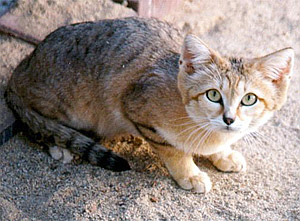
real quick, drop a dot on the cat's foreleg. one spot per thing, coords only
(228, 160)
(183, 169)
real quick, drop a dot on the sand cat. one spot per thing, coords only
(140, 76)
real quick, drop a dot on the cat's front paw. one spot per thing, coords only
(198, 183)
(232, 162)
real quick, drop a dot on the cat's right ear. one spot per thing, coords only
(194, 53)
(277, 66)
(277, 69)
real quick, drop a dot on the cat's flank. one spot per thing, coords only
(140, 76)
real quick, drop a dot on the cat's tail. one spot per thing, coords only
(63, 136)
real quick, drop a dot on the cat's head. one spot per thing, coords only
(232, 94)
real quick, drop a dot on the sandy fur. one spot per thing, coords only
(149, 81)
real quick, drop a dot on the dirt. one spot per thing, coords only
(35, 187)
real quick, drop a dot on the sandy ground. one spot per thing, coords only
(35, 187)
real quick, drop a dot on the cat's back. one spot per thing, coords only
(90, 51)
(96, 46)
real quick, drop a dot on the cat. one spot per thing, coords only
(142, 77)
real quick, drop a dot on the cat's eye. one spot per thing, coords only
(214, 95)
(249, 99)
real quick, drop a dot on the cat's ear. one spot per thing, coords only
(277, 66)
(195, 53)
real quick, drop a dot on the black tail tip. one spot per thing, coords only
(112, 161)
(119, 165)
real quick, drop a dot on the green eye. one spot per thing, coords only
(213, 95)
(249, 99)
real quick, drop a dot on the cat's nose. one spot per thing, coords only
(228, 120)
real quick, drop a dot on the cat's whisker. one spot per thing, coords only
(190, 121)
(253, 142)
(179, 125)
(203, 138)
(259, 135)
(197, 126)
(262, 137)
(187, 145)
(215, 123)
(256, 139)
(197, 136)
(247, 139)
(195, 119)
(187, 129)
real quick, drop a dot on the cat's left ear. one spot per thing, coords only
(277, 66)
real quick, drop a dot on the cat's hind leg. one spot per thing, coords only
(62, 154)
(55, 152)
(54, 132)
(228, 160)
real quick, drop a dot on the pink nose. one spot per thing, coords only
(228, 120)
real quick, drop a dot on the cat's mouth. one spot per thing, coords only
(230, 129)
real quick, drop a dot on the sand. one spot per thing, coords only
(35, 187)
